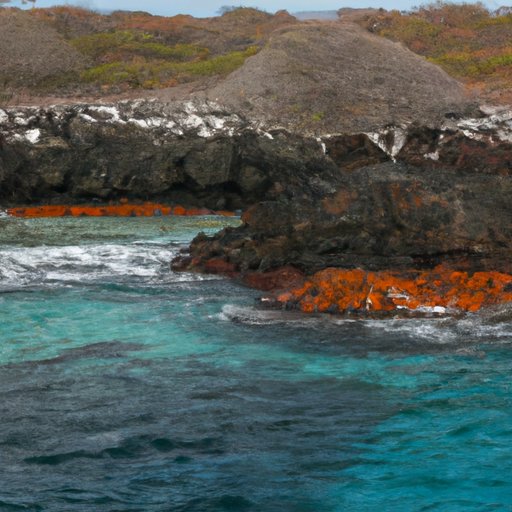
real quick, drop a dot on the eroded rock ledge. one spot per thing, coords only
(402, 198)
(407, 200)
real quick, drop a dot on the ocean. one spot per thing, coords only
(128, 387)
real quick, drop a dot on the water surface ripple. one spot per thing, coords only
(127, 387)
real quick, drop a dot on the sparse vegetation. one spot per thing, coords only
(151, 74)
(136, 59)
(316, 117)
(124, 43)
(470, 42)
(125, 50)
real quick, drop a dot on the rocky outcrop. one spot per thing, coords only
(348, 153)
(193, 153)
(435, 291)
(406, 199)
(395, 202)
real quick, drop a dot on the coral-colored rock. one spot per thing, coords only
(179, 210)
(437, 290)
(225, 213)
(112, 210)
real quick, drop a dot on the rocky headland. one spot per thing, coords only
(368, 180)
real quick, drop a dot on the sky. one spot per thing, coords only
(203, 8)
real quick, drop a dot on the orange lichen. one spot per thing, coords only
(342, 290)
(124, 209)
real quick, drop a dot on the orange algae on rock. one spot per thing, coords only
(356, 290)
(124, 209)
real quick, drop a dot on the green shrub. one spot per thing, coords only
(146, 73)
(468, 65)
(127, 43)
(317, 116)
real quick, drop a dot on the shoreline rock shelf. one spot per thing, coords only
(111, 210)
(439, 290)
(394, 199)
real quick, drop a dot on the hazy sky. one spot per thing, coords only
(210, 7)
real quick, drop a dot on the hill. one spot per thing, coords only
(72, 51)
(33, 52)
(337, 77)
(468, 41)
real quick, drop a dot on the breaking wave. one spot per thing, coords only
(493, 325)
(112, 263)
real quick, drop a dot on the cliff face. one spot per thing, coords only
(197, 153)
(402, 198)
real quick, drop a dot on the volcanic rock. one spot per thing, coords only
(429, 197)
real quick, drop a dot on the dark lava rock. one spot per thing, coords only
(193, 153)
(399, 197)
(430, 197)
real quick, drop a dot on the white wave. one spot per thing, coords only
(468, 330)
(21, 266)
(431, 330)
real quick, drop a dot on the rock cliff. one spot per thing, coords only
(196, 153)
(420, 188)
(404, 199)
(395, 198)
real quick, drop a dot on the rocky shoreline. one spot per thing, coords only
(420, 219)
(399, 199)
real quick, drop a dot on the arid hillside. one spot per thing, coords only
(305, 69)
(468, 41)
(72, 51)
(332, 77)
(31, 53)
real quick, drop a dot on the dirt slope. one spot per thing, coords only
(31, 51)
(334, 77)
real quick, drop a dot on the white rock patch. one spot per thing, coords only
(88, 118)
(432, 156)
(33, 136)
(399, 139)
(20, 121)
(112, 111)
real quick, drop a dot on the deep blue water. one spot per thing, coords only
(127, 387)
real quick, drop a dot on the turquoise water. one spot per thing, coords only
(127, 387)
